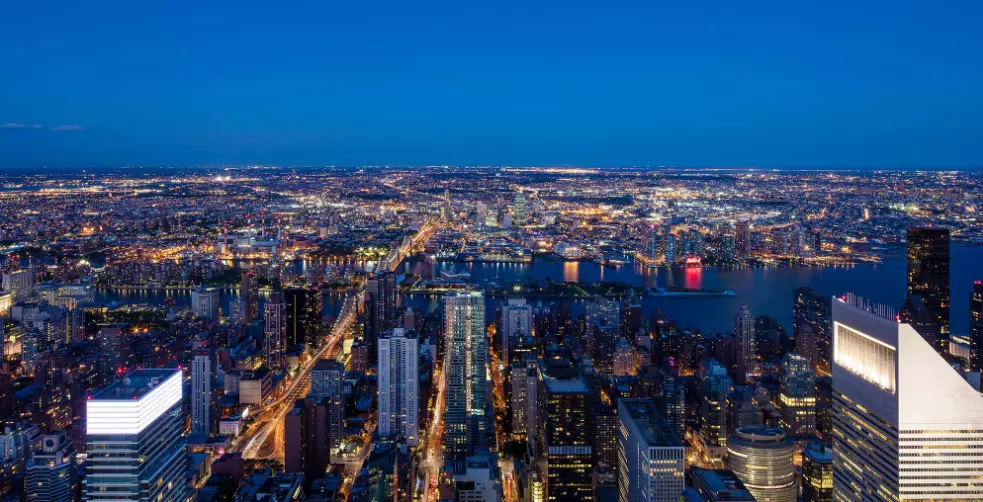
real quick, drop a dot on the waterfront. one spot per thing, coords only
(766, 290)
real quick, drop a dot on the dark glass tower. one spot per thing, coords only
(928, 277)
(976, 326)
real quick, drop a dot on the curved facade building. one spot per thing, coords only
(761, 457)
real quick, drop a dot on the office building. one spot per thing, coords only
(742, 409)
(380, 310)
(516, 324)
(797, 396)
(761, 457)
(928, 278)
(652, 465)
(976, 327)
(812, 327)
(713, 411)
(327, 385)
(205, 303)
(306, 438)
(274, 330)
(204, 393)
(465, 368)
(900, 412)
(564, 447)
(303, 317)
(399, 385)
(817, 473)
(744, 335)
(51, 475)
(134, 447)
(742, 239)
(675, 396)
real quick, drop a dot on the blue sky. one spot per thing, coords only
(707, 83)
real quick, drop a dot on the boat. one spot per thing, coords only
(456, 275)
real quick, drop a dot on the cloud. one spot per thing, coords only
(16, 125)
(69, 127)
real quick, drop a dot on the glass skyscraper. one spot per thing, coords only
(134, 447)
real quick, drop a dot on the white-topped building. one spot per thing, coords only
(906, 425)
(134, 447)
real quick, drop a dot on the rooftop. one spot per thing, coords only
(136, 384)
(649, 422)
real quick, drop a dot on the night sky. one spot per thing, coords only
(695, 83)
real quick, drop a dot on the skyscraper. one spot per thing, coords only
(516, 323)
(327, 385)
(274, 330)
(797, 396)
(817, 473)
(744, 334)
(50, 472)
(399, 383)
(652, 466)
(204, 396)
(74, 326)
(928, 277)
(520, 208)
(249, 294)
(904, 421)
(742, 239)
(134, 447)
(563, 450)
(713, 411)
(812, 328)
(761, 457)
(205, 303)
(976, 327)
(465, 363)
(303, 316)
(380, 310)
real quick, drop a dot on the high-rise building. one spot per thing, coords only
(114, 350)
(306, 438)
(762, 457)
(205, 303)
(204, 393)
(465, 365)
(713, 411)
(563, 448)
(652, 466)
(74, 326)
(399, 385)
(797, 396)
(928, 277)
(51, 473)
(813, 329)
(249, 294)
(520, 208)
(718, 486)
(380, 309)
(742, 409)
(675, 395)
(134, 447)
(742, 239)
(274, 330)
(976, 327)
(900, 413)
(817, 473)
(516, 323)
(744, 334)
(303, 316)
(327, 385)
